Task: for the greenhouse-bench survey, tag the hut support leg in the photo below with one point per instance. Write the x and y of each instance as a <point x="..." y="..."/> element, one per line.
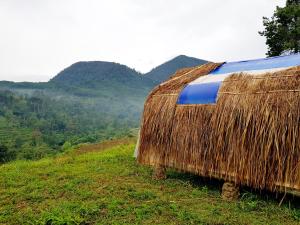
<point x="230" y="191"/>
<point x="159" y="173"/>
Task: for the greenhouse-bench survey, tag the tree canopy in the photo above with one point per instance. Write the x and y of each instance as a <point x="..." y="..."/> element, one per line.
<point x="282" y="30"/>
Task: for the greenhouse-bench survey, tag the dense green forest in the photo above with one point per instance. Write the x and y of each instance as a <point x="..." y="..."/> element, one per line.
<point x="86" y="102"/>
<point x="35" y="126"/>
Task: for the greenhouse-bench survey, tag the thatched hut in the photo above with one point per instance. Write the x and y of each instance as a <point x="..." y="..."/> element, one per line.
<point x="236" y="121"/>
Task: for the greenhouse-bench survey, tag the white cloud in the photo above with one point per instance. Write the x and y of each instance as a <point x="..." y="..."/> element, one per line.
<point x="38" y="38"/>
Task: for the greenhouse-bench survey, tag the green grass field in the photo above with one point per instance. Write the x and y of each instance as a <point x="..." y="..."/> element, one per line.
<point x="105" y="185"/>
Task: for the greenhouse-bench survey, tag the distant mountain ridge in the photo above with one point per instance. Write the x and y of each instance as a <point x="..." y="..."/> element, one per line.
<point x="102" y="78"/>
<point x="165" y="70"/>
<point x="91" y="72"/>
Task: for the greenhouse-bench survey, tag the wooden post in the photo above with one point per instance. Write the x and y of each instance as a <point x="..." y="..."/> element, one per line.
<point x="159" y="173"/>
<point x="230" y="191"/>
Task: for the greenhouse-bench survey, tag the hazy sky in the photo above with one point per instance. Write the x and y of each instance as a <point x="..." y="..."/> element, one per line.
<point x="38" y="38"/>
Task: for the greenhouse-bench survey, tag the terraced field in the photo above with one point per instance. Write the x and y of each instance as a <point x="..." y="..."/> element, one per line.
<point x="10" y="131"/>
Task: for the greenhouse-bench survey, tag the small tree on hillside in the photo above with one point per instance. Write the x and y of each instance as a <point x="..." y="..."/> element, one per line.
<point x="282" y="30"/>
<point x="4" y="154"/>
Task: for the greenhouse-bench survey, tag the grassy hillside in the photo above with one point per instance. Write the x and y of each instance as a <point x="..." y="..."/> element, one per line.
<point x="102" y="184"/>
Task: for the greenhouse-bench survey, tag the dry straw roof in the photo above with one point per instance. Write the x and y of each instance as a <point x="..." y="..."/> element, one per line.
<point x="251" y="136"/>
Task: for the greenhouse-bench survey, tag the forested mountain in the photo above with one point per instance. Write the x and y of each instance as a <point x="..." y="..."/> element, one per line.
<point x="165" y="70"/>
<point x="101" y="77"/>
<point x="86" y="102"/>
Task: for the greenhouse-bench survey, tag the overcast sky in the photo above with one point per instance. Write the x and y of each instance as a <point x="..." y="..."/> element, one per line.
<point x="38" y="38"/>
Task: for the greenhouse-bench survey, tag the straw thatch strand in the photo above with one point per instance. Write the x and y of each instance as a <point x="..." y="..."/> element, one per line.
<point x="251" y="136"/>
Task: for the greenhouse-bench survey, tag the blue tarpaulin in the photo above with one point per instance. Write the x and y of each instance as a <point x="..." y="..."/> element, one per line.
<point x="204" y="90"/>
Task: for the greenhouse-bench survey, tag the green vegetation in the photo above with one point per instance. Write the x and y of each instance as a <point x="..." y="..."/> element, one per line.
<point x="36" y="126"/>
<point x="105" y="185"/>
<point x="282" y="30"/>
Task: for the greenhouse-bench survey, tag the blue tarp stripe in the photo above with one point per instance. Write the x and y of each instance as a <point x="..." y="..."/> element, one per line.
<point x="259" y="64"/>
<point x="199" y="93"/>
